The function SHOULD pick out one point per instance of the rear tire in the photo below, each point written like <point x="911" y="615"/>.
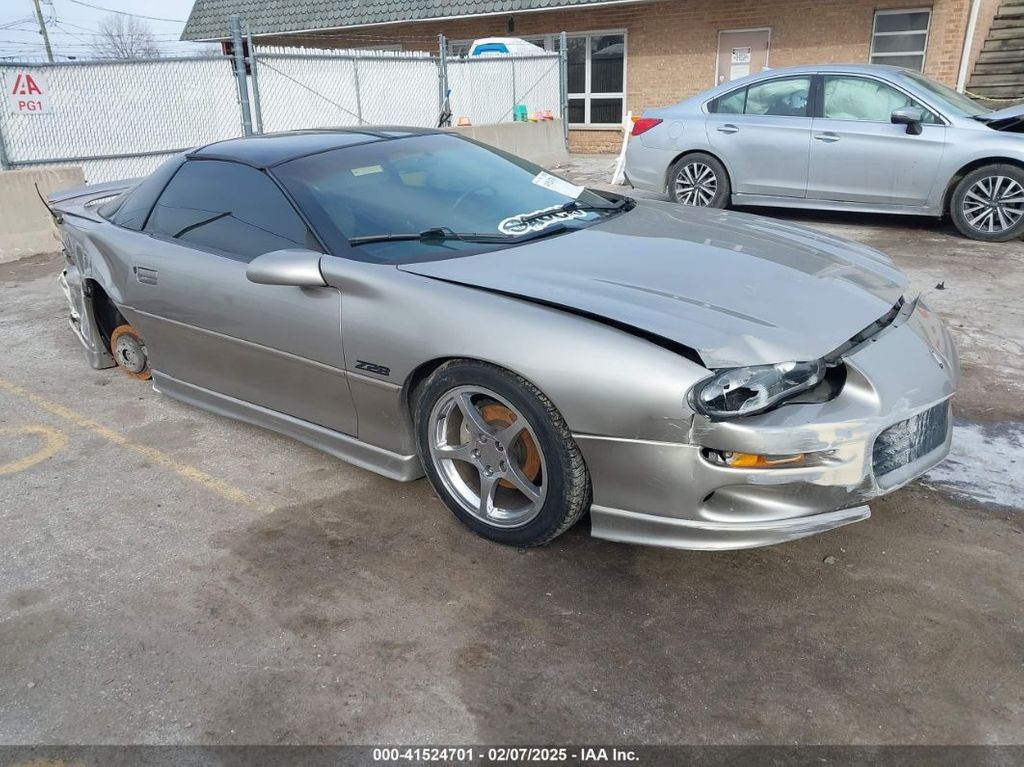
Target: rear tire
<point x="699" y="180"/>
<point x="988" y="203"/>
<point x="499" y="454"/>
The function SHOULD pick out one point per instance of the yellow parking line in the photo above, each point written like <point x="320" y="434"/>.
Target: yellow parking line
<point x="218" y="486"/>
<point x="53" y="442"/>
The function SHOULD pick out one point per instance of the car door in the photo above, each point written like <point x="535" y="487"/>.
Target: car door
<point x="859" y="155"/>
<point x="762" y="132"/>
<point x="205" y="323"/>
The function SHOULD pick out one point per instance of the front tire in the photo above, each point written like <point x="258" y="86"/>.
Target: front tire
<point x="988" y="203"/>
<point x="499" y="454"/>
<point x="699" y="180"/>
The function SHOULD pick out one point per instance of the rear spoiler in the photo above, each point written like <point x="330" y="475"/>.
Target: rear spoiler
<point x="95" y="191"/>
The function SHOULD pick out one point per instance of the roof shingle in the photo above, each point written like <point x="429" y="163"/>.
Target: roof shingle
<point x="209" y="18"/>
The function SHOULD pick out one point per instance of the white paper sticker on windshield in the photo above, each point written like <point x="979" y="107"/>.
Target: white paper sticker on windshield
<point x="556" y="184"/>
<point x="367" y="170"/>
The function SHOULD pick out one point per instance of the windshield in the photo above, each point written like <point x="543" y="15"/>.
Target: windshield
<point x="468" y="197"/>
<point x="955" y="103"/>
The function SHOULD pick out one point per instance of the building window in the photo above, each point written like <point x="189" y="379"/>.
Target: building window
<point x="597" y="78"/>
<point x="900" y="38"/>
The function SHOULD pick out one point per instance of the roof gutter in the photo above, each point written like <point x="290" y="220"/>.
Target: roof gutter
<point x="965" y="56"/>
<point x="346" y="27"/>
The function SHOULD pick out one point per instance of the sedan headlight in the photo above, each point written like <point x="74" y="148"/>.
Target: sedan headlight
<point x="745" y="391"/>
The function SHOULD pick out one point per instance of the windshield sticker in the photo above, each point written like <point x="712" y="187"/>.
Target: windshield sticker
<point x="538" y="220"/>
<point x="556" y="184"/>
<point x="367" y="170"/>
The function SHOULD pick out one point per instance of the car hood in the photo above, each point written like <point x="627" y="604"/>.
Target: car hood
<point x="736" y="288"/>
<point x="1010" y="119"/>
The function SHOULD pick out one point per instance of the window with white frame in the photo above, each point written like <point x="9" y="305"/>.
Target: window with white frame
<point x="900" y="38"/>
<point x="597" y="78"/>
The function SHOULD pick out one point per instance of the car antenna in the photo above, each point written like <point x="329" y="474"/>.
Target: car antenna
<point x="57" y="218"/>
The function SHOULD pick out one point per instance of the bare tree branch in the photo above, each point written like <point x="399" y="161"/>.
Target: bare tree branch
<point x="125" y="37"/>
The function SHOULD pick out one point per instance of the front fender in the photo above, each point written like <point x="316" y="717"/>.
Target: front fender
<point x="605" y="381"/>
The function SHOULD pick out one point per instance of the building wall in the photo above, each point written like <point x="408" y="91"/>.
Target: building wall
<point x="671" y="45"/>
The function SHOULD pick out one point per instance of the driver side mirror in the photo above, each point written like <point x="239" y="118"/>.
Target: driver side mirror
<point x="912" y="117"/>
<point x="295" y="267"/>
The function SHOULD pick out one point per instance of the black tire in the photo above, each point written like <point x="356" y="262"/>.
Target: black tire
<point x="568" y="489"/>
<point x="718" y="197"/>
<point x="959" y="202"/>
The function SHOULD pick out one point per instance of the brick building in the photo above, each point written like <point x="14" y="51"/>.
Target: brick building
<point x="634" y="54"/>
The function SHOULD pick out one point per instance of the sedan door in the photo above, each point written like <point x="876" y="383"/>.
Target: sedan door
<point x="858" y="155"/>
<point x="762" y="132"/>
<point x="205" y="324"/>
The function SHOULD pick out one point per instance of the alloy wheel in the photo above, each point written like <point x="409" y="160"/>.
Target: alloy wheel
<point x="994" y="204"/>
<point x="487" y="456"/>
<point x="696" y="184"/>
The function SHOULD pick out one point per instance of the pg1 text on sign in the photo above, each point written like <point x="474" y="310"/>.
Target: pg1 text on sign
<point x="29" y="94"/>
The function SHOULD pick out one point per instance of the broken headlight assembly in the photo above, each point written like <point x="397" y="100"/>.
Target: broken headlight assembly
<point x="737" y="392"/>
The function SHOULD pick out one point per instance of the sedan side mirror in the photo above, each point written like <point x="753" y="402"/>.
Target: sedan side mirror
<point x="298" y="268"/>
<point x="912" y="117"/>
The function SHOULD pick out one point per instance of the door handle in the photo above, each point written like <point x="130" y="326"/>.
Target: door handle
<point x="828" y="138"/>
<point x="727" y="128"/>
<point x="145" y="275"/>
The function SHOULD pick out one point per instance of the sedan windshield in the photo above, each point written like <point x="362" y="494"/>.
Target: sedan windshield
<point x="954" y="102"/>
<point x="434" y="195"/>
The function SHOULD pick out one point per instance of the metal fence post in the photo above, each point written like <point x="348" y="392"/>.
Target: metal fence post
<point x="359" y="92"/>
<point x="243" y="87"/>
<point x="515" y="101"/>
<point x="563" y="83"/>
<point x="443" y="108"/>
<point x="256" y="106"/>
<point x="5" y="163"/>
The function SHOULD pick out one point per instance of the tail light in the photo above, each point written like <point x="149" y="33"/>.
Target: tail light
<point x="644" y="124"/>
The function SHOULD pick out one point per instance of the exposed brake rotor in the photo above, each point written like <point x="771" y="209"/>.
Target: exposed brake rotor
<point x="526" y="453"/>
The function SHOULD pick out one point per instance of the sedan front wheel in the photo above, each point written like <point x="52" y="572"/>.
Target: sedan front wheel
<point x="988" y="203"/>
<point x="699" y="180"/>
<point x="499" y="454"/>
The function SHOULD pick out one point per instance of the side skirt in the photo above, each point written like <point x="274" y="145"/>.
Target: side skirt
<point x="403" y="468"/>
<point x="804" y="203"/>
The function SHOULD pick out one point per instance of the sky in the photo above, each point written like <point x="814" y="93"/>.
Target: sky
<point x="73" y="26"/>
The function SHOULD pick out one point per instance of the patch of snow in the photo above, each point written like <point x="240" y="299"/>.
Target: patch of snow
<point x="986" y="464"/>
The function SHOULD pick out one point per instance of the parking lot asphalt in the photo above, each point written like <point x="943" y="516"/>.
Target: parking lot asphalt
<point x="170" y="576"/>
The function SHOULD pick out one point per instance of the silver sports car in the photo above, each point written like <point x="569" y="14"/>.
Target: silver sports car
<point x="414" y="302"/>
<point x="875" y="139"/>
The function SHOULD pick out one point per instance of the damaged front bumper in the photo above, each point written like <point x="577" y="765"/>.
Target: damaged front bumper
<point x="888" y="425"/>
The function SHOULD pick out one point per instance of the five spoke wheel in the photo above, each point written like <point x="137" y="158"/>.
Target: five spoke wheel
<point x="486" y="454"/>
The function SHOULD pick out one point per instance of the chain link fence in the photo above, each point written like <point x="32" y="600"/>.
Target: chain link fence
<point x="119" y="119"/>
<point x="297" y="88"/>
<point x="122" y="119"/>
<point x="487" y="90"/>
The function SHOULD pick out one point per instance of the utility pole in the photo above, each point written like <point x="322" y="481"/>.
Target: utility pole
<point x="42" y="30"/>
<point x="235" y="23"/>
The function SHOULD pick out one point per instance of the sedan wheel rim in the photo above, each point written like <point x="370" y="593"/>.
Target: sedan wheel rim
<point x="994" y="204"/>
<point x="487" y="456"/>
<point x="696" y="184"/>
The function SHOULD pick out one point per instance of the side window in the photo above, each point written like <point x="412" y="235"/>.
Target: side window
<point x="730" y="103"/>
<point x="787" y="97"/>
<point x="859" y="98"/>
<point x="228" y="207"/>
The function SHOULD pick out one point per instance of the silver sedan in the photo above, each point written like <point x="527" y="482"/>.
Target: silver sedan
<point x="417" y="303"/>
<point x="865" y="138"/>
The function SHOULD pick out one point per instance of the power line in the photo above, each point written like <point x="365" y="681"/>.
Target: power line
<point x="125" y="13"/>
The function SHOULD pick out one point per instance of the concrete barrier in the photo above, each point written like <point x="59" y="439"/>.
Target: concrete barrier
<point x="539" y="142"/>
<point x="25" y="227"/>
